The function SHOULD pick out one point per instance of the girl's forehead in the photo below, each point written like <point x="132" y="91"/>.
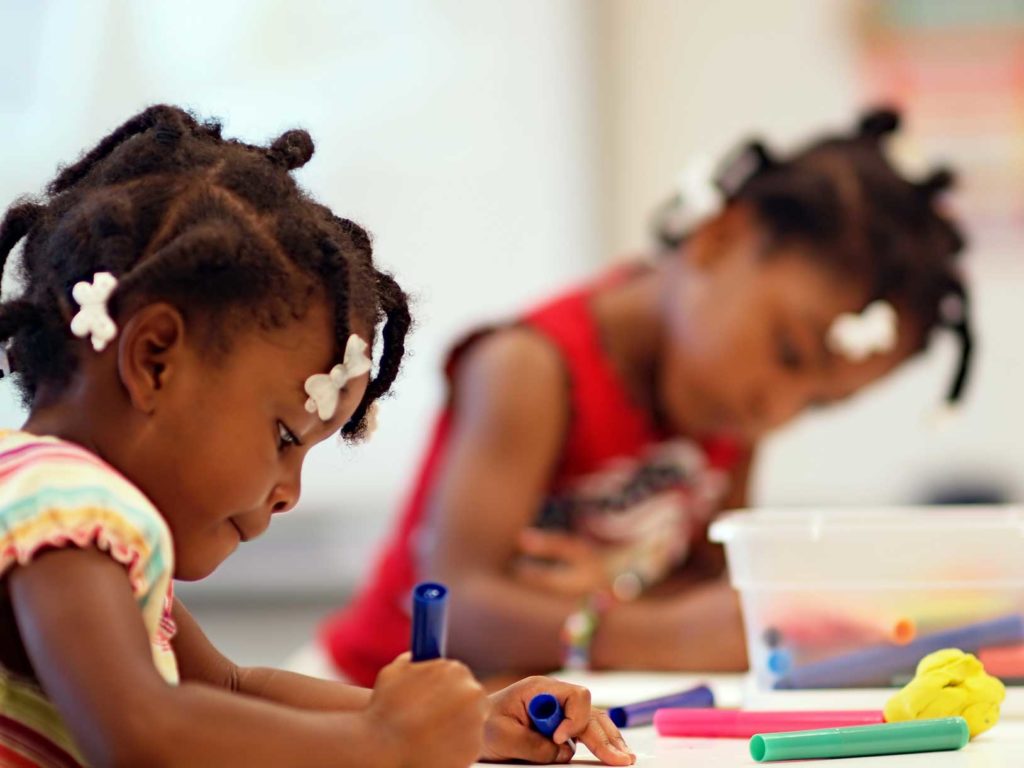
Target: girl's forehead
<point x="804" y="284"/>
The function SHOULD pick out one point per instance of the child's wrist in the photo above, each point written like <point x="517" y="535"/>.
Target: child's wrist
<point x="376" y="738"/>
<point x="581" y="627"/>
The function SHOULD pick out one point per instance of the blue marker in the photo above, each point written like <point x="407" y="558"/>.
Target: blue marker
<point x="780" y="661"/>
<point x="877" y="665"/>
<point x="429" y="621"/>
<point x="545" y="714"/>
<point x="642" y="712"/>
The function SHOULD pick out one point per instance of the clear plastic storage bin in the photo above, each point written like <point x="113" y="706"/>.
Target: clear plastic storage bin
<point x="855" y="597"/>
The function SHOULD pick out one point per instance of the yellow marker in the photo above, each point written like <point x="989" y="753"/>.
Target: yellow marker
<point x="949" y="683"/>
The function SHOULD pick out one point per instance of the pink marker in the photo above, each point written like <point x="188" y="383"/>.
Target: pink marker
<point x="1003" y="661"/>
<point x="734" y="724"/>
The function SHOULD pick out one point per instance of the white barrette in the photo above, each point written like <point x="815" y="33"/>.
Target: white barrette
<point x="858" y="336"/>
<point x="697" y="188"/>
<point x="92" y="319"/>
<point x="698" y="197"/>
<point x="323" y="388"/>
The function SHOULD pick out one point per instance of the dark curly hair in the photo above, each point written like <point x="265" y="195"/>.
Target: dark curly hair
<point x="840" y="200"/>
<point x="215" y="226"/>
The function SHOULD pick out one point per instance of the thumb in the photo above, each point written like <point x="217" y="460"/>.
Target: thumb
<point x="400" y="663"/>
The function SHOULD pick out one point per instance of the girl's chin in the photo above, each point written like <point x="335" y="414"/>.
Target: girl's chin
<point x="198" y="566"/>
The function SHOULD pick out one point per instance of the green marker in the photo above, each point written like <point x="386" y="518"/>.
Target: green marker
<point x="937" y="735"/>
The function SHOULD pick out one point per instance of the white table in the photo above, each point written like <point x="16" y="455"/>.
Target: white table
<point x="1002" y="747"/>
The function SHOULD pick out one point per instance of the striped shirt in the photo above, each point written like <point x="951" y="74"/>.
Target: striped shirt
<point x="57" y="494"/>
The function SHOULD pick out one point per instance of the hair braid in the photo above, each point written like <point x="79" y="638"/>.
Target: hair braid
<point x="216" y="226"/>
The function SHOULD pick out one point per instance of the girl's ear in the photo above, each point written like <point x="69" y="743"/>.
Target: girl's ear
<point x="149" y="352"/>
<point x="720" y="237"/>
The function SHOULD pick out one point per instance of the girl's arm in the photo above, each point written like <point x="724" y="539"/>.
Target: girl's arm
<point x="572" y="564"/>
<point x="81" y="628"/>
<point x="506" y="734"/>
<point x="511" y="411"/>
<point x="200" y="661"/>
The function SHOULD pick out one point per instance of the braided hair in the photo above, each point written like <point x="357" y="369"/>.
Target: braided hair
<point x="841" y="200"/>
<point x="215" y="226"/>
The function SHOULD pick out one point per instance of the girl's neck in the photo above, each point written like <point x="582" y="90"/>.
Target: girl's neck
<point x="68" y="418"/>
<point x="628" y="318"/>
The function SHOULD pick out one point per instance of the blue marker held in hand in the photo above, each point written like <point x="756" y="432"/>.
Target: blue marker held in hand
<point x="429" y="621"/>
<point x="545" y="714"/>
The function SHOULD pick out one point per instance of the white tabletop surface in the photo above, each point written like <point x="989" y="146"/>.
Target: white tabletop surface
<point x="1002" y="747"/>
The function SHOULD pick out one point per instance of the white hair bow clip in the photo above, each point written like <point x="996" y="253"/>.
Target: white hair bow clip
<point x="698" y="190"/>
<point x="324" y="388"/>
<point x="92" y="319"/>
<point x="858" y="336"/>
<point x="697" y="196"/>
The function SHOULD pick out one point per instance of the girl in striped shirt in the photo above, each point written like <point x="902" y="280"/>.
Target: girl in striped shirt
<point x="191" y="324"/>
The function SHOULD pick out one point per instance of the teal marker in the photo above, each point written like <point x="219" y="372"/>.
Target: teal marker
<point x="942" y="734"/>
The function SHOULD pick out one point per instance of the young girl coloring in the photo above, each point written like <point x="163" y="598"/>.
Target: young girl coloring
<point x="191" y="324"/>
<point x="585" y="447"/>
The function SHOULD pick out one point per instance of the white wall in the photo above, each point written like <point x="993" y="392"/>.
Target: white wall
<point x="461" y="134"/>
<point x="497" y="148"/>
<point x="695" y="77"/>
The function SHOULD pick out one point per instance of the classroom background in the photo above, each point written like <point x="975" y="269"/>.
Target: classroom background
<point x="500" y="149"/>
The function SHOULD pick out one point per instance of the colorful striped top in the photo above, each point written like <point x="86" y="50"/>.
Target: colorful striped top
<point x="57" y="494"/>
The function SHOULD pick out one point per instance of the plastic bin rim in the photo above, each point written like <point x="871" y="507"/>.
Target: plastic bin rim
<point x="751" y="585"/>
<point x="814" y="521"/>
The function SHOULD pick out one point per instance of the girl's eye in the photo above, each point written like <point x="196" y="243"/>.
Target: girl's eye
<point x="789" y="354"/>
<point x="285" y="437"/>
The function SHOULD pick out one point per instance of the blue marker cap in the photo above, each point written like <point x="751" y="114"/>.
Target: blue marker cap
<point x="429" y="621"/>
<point x="545" y="713"/>
<point x="780" y="661"/>
<point x="642" y="712"/>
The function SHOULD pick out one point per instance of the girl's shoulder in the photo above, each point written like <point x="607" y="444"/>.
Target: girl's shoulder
<point x="54" y="493"/>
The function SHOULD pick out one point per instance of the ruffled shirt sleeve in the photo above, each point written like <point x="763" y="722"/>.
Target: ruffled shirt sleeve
<point x="56" y="494"/>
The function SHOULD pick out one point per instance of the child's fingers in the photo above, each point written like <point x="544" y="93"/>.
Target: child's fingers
<point x="552" y="545"/>
<point x="603" y="739"/>
<point x="575" y="708"/>
<point x="614" y="734"/>
<point x="395" y="667"/>
<point x="514" y="742"/>
<point x="547" y="578"/>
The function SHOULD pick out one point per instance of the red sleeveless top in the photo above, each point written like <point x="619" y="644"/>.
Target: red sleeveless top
<point x="608" y="437"/>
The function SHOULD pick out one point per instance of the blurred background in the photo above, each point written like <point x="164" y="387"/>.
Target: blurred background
<point x="500" y="149"/>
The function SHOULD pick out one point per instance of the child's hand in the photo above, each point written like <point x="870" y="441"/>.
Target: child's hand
<point x="559" y="562"/>
<point x="429" y="714"/>
<point x="508" y="735"/>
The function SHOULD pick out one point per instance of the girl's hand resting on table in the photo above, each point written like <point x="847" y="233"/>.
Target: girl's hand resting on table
<point x="508" y="735"/>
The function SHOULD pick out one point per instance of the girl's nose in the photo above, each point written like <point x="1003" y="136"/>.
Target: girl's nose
<point x="285" y="495"/>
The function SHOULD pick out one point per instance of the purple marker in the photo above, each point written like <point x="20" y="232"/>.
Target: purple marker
<point x="642" y="712"/>
<point x="429" y="621"/>
<point x="877" y="665"/>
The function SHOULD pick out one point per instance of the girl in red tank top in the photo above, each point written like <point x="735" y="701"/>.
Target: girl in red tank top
<point x="585" y="448"/>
